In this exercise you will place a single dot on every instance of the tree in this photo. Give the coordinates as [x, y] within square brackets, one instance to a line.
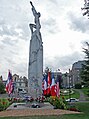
[84, 74]
[2, 87]
[86, 8]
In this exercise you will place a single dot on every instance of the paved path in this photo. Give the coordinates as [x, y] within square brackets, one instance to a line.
[35, 112]
[82, 96]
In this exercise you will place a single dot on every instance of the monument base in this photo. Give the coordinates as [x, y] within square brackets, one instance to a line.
[34, 93]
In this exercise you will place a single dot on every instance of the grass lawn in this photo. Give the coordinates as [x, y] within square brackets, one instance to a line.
[86, 91]
[75, 116]
[83, 107]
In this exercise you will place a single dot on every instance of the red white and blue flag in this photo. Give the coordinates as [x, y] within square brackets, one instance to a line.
[49, 83]
[53, 87]
[44, 85]
[50, 86]
[9, 84]
[58, 87]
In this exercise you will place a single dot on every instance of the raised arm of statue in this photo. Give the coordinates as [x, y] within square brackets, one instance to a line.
[36, 25]
[36, 14]
[33, 9]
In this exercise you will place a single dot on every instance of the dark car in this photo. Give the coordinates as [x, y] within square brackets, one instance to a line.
[35, 105]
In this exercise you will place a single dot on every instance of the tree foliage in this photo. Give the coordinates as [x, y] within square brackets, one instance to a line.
[84, 74]
[2, 87]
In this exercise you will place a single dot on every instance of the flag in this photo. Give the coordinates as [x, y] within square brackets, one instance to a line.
[49, 83]
[9, 84]
[58, 87]
[53, 87]
[44, 85]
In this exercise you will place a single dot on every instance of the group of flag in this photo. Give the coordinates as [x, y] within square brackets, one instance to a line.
[50, 85]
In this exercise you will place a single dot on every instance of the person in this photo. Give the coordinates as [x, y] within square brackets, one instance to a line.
[37, 15]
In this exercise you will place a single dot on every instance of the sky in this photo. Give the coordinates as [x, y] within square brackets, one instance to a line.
[64, 32]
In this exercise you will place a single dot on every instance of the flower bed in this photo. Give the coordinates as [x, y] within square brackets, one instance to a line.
[4, 103]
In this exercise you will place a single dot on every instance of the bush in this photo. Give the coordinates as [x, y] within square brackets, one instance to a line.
[88, 93]
[58, 103]
[4, 103]
[72, 107]
[78, 86]
[2, 88]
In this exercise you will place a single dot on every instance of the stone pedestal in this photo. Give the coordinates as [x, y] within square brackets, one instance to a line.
[35, 70]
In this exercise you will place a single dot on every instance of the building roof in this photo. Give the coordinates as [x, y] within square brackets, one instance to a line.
[78, 65]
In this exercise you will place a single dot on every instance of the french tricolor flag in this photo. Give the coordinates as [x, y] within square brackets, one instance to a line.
[53, 87]
[49, 83]
[44, 85]
[9, 84]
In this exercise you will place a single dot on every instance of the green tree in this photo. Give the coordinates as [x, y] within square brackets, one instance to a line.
[2, 87]
[84, 74]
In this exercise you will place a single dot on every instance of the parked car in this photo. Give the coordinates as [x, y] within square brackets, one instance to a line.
[35, 105]
[28, 98]
[72, 100]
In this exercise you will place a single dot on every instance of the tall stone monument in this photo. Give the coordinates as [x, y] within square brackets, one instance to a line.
[35, 69]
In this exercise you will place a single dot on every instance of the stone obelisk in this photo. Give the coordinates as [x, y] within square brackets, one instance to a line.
[35, 68]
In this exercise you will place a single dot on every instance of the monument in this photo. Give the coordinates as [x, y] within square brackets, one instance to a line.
[35, 68]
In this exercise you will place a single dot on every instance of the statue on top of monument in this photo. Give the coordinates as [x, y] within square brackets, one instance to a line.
[37, 15]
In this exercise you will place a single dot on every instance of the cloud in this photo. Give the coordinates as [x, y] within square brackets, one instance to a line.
[21, 68]
[19, 31]
[78, 23]
[61, 26]
[8, 41]
[7, 29]
[25, 31]
[13, 57]
[63, 62]
[50, 25]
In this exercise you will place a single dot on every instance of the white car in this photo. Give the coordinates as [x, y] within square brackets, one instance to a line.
[72, 100]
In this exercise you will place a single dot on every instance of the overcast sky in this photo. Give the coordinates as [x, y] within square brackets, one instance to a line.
[63, 28]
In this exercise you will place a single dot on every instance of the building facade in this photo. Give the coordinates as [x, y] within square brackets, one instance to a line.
[75, 72]
[20, 84]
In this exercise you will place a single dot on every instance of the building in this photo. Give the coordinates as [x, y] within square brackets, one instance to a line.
[75, 72]
[65, 80]
[20, 84]
[73, 76]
